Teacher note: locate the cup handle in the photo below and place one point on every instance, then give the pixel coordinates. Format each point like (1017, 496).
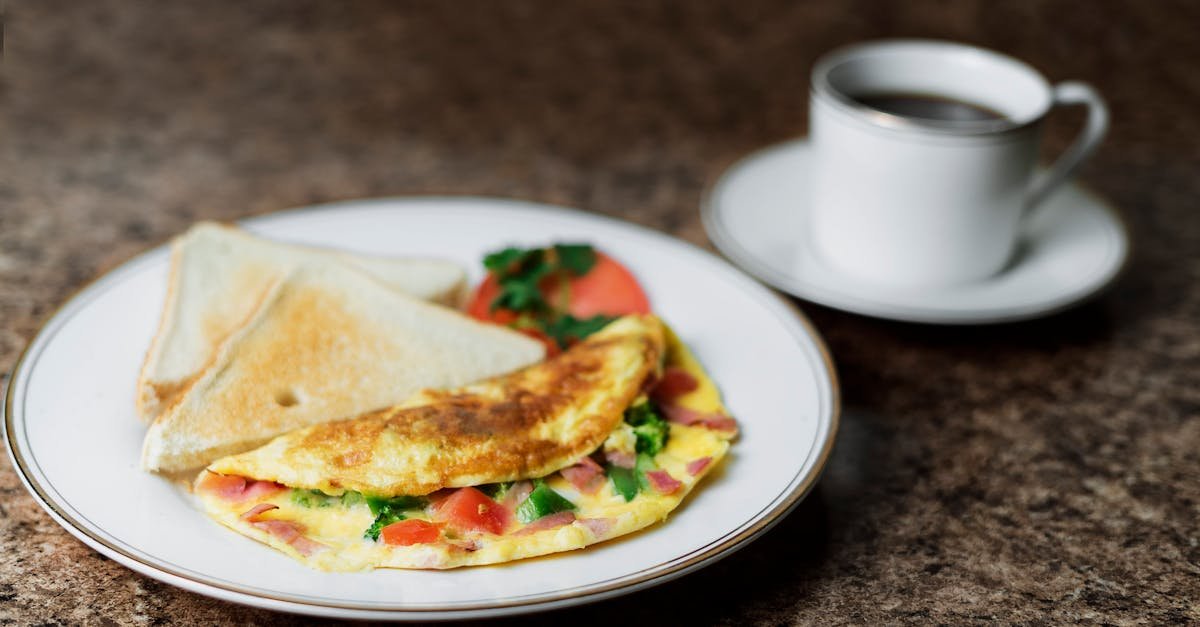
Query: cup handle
(1071, 93)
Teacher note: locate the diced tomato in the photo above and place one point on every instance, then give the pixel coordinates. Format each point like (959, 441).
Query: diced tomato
(609, 288)
(409, 532)
(469, 509)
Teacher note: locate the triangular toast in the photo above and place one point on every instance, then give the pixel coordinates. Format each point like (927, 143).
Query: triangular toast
(220, 274)
(327, 342)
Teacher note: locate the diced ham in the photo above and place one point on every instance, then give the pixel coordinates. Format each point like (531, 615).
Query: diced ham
(587, 475)
(252, 515)
(685, 416)
(237, 489)
(307, 547)
(598, 526)
(256, 490)
(697, 466)
(285, 530)
(675, 382)
(620, 458)
(225, 486)
(663, 482)
(546, 522)
(291, 533)
(516, 494)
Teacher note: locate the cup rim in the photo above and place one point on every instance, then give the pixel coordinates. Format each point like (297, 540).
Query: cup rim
(822, 88)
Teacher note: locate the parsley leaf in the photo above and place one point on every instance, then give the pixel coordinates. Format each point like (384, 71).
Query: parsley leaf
(525, 278)
(577, 259)
(500, 261)
(568, 328)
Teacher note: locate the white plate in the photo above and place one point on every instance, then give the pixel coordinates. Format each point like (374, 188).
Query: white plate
(755, 214)
(75, 441)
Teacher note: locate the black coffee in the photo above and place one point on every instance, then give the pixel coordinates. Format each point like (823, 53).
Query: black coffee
(928, 107)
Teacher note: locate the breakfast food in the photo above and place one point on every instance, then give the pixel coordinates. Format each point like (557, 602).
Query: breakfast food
(604, 439)
(326, 341)
(559, 294)
(219, 275)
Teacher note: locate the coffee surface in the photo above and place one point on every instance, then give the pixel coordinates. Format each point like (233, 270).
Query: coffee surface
(928, 107)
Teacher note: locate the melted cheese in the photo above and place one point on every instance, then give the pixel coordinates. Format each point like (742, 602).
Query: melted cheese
(341, 527)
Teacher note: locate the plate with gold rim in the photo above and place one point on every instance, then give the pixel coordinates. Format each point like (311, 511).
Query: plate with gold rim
(773, 369)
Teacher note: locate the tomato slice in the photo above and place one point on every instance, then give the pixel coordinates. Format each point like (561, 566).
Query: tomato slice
(609, 288)
(409, 532)
(468, 509)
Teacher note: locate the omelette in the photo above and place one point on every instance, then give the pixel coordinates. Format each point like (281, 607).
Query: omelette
(599, 441)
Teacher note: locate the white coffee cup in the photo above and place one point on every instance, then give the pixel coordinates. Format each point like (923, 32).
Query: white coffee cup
(924, 202)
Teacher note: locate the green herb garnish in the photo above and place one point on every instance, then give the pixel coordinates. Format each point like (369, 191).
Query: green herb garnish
(576, 259)
(521, 275)
(567, 328)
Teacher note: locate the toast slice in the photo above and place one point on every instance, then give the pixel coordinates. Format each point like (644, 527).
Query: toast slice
(220, 274)
(327, 342)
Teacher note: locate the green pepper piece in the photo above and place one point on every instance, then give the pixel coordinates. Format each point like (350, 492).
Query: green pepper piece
(624, 481)
(543, 501)
(644, 464)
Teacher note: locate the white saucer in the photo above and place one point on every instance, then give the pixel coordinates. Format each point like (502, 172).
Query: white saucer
(1074, 247)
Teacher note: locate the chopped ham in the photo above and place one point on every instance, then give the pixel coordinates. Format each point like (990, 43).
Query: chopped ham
(546, 522)
(291, 533)
(620, 458)
(237, 489)
(256, 490)
(675, 382)
(598, 526)
(225, 486)
(587, 475)
(697, 466)
(663, 482)
(684, 416)
(285, 530)
(307, 547)
(253, 514)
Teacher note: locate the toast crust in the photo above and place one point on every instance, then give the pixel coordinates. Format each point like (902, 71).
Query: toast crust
(246, 269)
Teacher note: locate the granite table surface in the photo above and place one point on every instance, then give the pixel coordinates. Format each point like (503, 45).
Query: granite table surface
(1046, 471)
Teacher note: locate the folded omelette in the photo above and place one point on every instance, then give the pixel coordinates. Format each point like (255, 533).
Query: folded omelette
(602, 440)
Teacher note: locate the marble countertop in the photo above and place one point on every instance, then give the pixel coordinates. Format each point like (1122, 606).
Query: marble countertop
(1035, 472)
